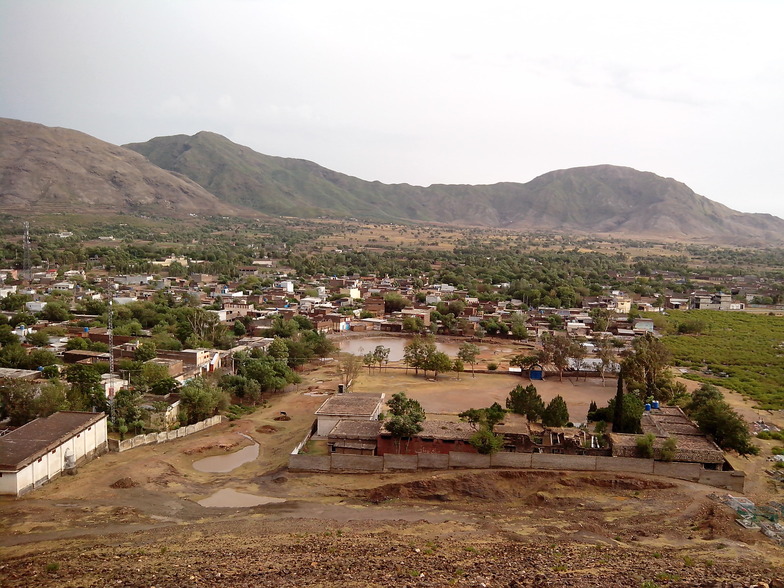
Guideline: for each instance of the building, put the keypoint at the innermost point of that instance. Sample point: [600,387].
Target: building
[43,449]
[691,445]
[351,407]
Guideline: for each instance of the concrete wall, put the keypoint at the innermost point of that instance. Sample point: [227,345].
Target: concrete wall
[400,462]
[681,471]
[734,481]
[511,460]
[163,436]
[310,463]
[553,461]
[433,461]
[624,464]
[545,461]
[468,460]
[357,463]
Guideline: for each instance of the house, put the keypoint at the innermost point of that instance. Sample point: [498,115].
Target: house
[435,437]
[691,446]
[43,449]
[354,437]
[352,407]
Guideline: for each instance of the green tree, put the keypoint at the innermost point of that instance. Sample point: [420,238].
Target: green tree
[556,413]
[556,349]
[526,401]
[52,397]
[647,363]
[200,399]
[413,324]
[278,349]
[417,352]
[718,419]
[87,391]
[405,418]
[145,351]
[518,329]
[645,445]
[394,302]
[18,401]
[348,367]
[458,367]
[55,312]
[486,442]
[38,339]
[468,353]
[438,362]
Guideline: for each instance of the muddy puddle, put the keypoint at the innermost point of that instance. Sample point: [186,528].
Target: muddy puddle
[221,464]
[228,498]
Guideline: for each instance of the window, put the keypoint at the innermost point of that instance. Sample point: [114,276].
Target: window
[449,441]
[427,440]
[554,439]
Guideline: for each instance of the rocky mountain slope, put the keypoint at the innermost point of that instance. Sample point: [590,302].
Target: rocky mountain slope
[598,199]
[46,170]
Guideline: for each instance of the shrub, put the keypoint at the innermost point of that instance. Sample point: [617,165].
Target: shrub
[492,366]
[645,445]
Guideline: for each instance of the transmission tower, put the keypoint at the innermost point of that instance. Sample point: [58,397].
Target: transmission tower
[27,270]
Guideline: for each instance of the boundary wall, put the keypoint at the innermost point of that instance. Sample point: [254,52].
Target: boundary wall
[346,463]
[163,436]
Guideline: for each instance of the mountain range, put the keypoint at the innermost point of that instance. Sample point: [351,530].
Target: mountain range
[46,169]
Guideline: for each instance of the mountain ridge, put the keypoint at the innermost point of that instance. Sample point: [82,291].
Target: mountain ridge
[591,199]
[52,169]
[48,169]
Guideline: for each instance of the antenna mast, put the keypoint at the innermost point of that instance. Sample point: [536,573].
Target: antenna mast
[27,270]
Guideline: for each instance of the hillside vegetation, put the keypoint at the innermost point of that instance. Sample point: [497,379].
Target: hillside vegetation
[743,352]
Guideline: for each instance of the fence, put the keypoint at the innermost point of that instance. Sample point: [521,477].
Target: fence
[344,463]
[163,436]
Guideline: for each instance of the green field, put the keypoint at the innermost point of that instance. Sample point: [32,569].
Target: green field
[743,352]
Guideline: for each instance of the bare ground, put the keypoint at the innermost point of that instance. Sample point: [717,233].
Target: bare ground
[461,528]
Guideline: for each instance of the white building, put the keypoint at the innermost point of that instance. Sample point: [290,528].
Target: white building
[43,449]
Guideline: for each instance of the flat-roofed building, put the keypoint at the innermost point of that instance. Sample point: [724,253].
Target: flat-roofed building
[43,449]
[354,407]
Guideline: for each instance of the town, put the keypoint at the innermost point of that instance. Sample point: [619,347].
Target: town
[375,374]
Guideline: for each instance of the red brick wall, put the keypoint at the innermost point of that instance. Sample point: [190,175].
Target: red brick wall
[417,445]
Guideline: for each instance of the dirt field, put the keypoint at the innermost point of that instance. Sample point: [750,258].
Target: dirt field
[133,519]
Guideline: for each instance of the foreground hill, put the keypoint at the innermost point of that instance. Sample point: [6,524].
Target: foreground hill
[45,169]
[599,199]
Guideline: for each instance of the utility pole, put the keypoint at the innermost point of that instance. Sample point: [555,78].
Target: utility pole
[27,270]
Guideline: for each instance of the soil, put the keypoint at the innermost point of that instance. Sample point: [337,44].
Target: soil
[133,519]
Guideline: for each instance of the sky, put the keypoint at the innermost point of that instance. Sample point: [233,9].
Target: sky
[425,91]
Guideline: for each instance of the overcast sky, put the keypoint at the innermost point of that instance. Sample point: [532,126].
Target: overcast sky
[422,91]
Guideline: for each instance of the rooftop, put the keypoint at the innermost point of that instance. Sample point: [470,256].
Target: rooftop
[29,442]
[445,430]
[351,405]
[350,429]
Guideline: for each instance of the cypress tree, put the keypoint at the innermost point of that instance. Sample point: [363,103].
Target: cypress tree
[618,413]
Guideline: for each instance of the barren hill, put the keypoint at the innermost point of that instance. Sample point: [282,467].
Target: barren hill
[46,169]
[598,199]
